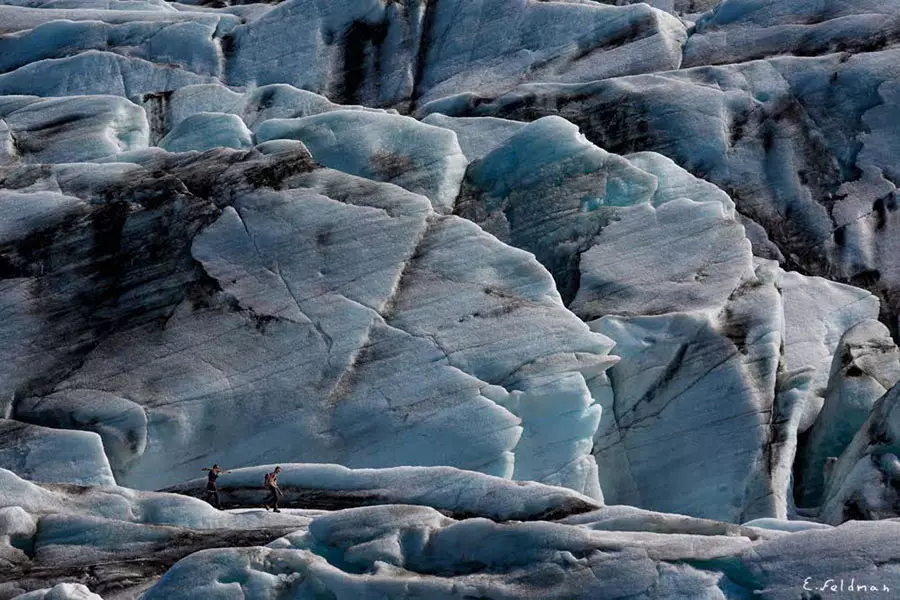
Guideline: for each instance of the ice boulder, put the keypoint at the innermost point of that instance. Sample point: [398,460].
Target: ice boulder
[52,455]
[185,40]
[545,188]
[95,72]
[120,423]
[421,158]
[673,182]
[254,106]
[207,130]
[17,528]
[742,30]
[73,129]
[866,364]
[477,136]
[817,312]
[865,481]
[550,191]
[716,370]
[61,591]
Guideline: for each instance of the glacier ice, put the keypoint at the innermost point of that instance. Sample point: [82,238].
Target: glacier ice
[397,551]
[477,136]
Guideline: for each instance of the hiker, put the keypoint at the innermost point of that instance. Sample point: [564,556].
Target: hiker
[212,492]
[271,482]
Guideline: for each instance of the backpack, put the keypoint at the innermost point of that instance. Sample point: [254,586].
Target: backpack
[268,479]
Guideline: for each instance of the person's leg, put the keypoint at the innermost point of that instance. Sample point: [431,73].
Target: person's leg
[275,499]
[215,495]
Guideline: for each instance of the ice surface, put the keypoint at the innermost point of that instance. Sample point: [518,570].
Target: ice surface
[785,526]
[62,591]
[453,491]
[113,538]
[715,258]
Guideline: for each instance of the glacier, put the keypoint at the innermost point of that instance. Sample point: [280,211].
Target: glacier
[528,298]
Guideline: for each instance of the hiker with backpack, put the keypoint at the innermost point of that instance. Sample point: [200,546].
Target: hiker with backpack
[271,482]
[212,492]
